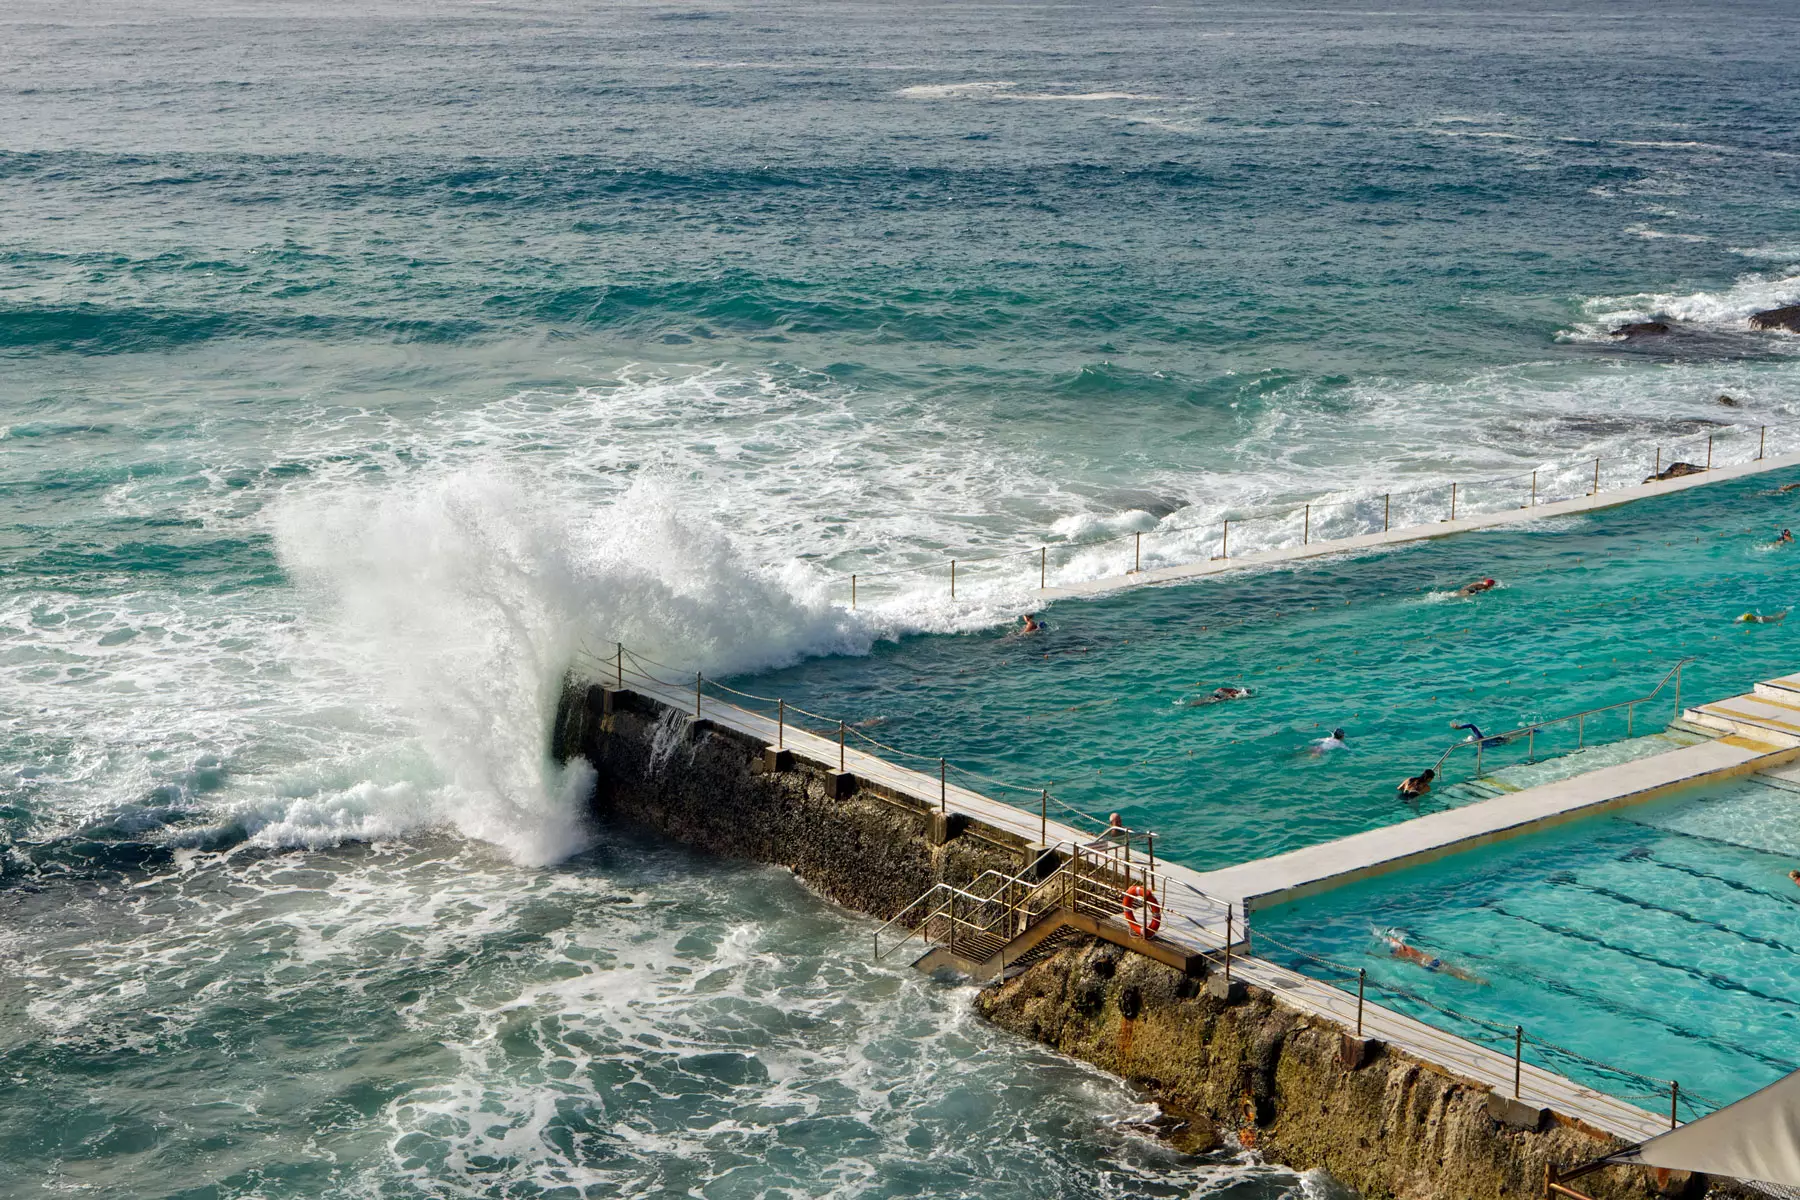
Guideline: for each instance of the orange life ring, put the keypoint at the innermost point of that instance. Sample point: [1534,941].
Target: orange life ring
[1153,919]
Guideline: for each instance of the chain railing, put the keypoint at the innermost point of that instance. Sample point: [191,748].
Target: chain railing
[1334,520]
[1495,1033]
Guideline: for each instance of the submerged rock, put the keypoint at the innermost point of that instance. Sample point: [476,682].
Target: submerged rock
[1675,471]
[1641,329]
[1728,401]
[1787,318]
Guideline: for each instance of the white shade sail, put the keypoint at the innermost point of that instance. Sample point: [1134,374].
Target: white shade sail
[1756,1138]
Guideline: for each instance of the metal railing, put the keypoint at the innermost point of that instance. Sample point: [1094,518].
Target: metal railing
[1529,732]
[1338,519]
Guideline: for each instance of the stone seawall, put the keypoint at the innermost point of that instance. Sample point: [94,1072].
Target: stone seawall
[1299,1090]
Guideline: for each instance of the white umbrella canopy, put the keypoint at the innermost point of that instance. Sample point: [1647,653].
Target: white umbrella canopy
[1758,1138]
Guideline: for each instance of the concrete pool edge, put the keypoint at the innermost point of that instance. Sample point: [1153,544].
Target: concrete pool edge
[871,836]
[1311,870]
[1416,533]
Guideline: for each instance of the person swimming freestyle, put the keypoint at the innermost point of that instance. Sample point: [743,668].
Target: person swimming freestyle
[1328,744]
[1480,585]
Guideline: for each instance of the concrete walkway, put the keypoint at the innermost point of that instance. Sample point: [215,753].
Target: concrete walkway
[1314,869]
[1417,533]
[1195,902]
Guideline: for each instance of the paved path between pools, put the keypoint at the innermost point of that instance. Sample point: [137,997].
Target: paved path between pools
[1417,533]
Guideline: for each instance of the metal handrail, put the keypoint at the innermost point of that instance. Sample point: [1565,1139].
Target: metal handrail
[1530,731]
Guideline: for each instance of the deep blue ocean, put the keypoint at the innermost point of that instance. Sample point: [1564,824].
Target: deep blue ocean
[359,361]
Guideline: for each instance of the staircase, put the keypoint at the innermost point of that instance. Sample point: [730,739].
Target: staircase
[998,924]
[1768,715]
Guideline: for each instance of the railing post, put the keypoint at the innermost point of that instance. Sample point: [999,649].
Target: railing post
[1678,667]
[1228,947]
[943,786]
[1044,818]
[1674,1102]
[1658,470]
[1477,759]
[1533,503]
[780,723]
[840,747]
[1581,731]
[696,695]
[953,579]
[1225,540]
[1150,841]
[1596,490]
[1306,530]
[1709,438]
[1531,744]
[1630,710]
[853,593]
[1453,501]
[1387,508]
[621,664]
[1043,566]
[1361,976]
[1137,554]
[1518,1057]
[1762,443]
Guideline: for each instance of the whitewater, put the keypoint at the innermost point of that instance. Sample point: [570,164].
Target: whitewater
[363,362]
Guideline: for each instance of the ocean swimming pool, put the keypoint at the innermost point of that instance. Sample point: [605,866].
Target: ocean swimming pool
[1592,610]
[1660,939]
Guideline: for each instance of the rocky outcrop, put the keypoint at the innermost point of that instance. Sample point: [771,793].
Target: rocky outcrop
[1299,1091]
[1641,329]
[1675,471]
[1787,318]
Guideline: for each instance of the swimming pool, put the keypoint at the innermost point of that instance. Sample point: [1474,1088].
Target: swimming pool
[1097,708]
[1662,938]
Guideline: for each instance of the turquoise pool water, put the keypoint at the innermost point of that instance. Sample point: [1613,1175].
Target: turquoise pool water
[1660,939]
[1097,708]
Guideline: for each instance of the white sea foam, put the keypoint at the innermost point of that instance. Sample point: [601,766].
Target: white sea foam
[1729,309]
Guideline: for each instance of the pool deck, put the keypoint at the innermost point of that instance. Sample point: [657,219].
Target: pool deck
[1416,533]
[1195,902]
[1758,731]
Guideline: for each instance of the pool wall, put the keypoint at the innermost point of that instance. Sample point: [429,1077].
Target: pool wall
[1244,1064]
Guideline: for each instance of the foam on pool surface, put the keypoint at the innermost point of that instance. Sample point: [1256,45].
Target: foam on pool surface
[1100,707]
[1663,939]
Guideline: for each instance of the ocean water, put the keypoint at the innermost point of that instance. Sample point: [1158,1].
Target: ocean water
[360,361]
[1653,940]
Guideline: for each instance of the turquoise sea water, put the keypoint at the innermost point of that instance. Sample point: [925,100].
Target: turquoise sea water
[362,360]
[1658,939]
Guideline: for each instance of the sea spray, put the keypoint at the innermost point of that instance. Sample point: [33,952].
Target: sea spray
[463,597]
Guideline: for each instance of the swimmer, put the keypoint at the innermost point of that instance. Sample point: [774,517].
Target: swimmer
[1480,585]
[1221,694]
[1475,735]
[1785,488]
[1786,538]
[1418,785]
[1794,875]
[1751,618]
[1431,962]
[1031,624]
[1112,837]
[1334,742]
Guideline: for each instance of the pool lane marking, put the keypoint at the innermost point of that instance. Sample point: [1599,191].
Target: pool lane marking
[1418,533]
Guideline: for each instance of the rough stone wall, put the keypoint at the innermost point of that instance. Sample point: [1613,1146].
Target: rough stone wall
[1284,1083]
[1390,1126]
[706,787]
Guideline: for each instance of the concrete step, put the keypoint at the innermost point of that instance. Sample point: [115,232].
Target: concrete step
[1786,689]
[1773,722]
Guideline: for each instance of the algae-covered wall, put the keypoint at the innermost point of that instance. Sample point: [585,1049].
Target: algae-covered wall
[1292,1086]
